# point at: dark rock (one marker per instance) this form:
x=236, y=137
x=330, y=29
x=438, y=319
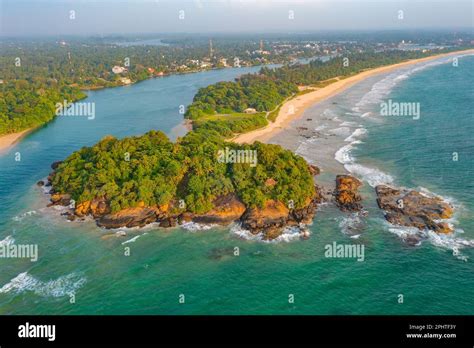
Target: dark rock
x=411, y=208
x=313, y=170
x=275, y=216
x=185, y=217
x=168, y=222
x=131, y=217
x=346, y=193
x=40, y=183
x=60, y=199
x=270, y=219
x=71, y=217
x=55, y=165
x=412, y=239
x=220, y=253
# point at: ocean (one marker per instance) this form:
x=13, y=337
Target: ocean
x=198, y=269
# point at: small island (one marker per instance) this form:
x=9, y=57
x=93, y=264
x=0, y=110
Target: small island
x=140, y=180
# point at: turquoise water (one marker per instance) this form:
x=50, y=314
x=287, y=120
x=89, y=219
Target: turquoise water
x=74, y=258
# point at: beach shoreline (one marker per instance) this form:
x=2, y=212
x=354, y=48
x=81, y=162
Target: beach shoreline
x=294, y=108
x=8, y=140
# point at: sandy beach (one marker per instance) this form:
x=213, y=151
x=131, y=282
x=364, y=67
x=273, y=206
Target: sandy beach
x=294, y=108
x=8, y=140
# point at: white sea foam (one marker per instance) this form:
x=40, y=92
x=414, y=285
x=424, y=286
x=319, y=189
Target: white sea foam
x=289, y=234
x=341, y=131
x=60, y=287
x=330, y=114
x=343, y=155
x=194, y=226
x=357, y=133
x=402, y=231
x=348, y=124
x=350, y=223
x=240, y=232
x=451, y=242
x=446, y=241
x=134, y=239
x=24, y=215
x=320, y=128
x=372, y=176
x=382, y=88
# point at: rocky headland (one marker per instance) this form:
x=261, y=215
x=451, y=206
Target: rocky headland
x=269, y=220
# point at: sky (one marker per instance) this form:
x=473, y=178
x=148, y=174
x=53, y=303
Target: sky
x=103, y=17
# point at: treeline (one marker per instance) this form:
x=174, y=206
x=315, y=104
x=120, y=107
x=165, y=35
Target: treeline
x=259, y=92
x=233, y=125
x=316, y=70
x=150, y=170
x=29, y=103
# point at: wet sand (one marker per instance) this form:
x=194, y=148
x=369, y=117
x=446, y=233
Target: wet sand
x=8, y=140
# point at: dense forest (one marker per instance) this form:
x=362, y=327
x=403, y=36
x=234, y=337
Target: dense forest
x=151, y=170
x=25, y=104
x=259, y=92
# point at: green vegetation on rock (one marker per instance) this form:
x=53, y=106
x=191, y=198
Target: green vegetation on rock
x=151, y=170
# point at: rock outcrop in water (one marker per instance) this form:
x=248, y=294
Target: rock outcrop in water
x=275, y=216
x=200, y=178
x=410, y=208
x=346, y=193
x=269, y=220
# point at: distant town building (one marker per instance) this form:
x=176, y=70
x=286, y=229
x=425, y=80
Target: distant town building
x=118, y=69
x=223, y=61
x=250, y=111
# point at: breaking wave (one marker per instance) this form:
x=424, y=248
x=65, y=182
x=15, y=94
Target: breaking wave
x=194, y=226
x=24, y=215
x=63, y=286
x=289, y=234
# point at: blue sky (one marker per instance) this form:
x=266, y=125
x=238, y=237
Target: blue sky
x=52, y=17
